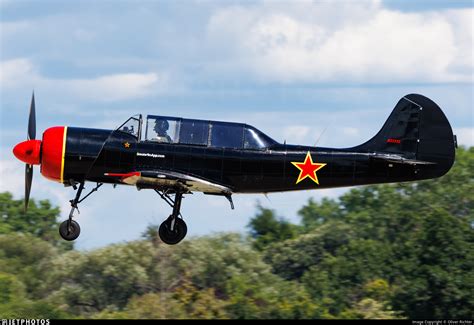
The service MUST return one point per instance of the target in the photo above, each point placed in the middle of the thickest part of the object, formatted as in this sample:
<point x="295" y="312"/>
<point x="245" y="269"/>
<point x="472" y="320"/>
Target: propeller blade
<point x="32" y="120"/>
<point x="28" y="181"/>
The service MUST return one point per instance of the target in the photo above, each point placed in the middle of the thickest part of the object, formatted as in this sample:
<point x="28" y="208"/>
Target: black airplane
<point x="177" y="156"/>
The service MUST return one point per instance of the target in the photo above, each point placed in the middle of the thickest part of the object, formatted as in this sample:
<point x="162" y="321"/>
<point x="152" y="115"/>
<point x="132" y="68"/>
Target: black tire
<point x="69" y="234"/>
<point x="172" y="237"/>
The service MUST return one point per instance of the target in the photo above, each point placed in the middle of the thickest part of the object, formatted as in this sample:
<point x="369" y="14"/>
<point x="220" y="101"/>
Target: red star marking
<point x="308" y="169"/>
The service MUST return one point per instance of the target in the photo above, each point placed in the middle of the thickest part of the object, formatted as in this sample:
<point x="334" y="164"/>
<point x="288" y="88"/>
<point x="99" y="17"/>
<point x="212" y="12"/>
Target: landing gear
<point x="173" y="229"/>
<point x="170" y="233"/>
<point x="70" y="229"/>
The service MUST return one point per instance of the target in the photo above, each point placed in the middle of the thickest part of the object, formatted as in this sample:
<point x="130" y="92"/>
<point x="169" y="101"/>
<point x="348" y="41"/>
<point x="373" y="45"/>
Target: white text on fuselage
<point x="152" y="155"/>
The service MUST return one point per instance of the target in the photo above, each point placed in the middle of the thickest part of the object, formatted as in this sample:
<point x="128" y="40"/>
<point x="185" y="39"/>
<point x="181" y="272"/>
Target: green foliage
<point x="105" y="278"/>
<point x="186" y="302"/>
<point x="10" y="288"/>
<point x="315" y="214"/>
<point x="31" y="310"/>
<point x="279" y="299"/>
<point x="266" y="228"/>
<point x="377" y="252"/>
<point x="151" y="234"/>
<point x="198" y="303"/>
<point x="291" y="258"/>
<point x="15" y="304"/>
<point x="27" y="258"/>
<point x="39" y="221"/>
<point x="378" y="289"/>
<point x="369" y="308"/>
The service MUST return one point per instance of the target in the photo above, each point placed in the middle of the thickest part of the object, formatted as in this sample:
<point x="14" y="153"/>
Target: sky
<point x="305" y="72"/>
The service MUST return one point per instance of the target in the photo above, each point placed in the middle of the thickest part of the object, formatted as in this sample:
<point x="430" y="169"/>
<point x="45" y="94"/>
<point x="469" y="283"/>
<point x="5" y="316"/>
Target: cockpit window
<point x="175" y="130"/>
<point x="194" y="132"/>
<point x="132" y="126"/>
<point x="227" y="135"/>
<point x="252" y="140"/>
<point x="162" y="129"/>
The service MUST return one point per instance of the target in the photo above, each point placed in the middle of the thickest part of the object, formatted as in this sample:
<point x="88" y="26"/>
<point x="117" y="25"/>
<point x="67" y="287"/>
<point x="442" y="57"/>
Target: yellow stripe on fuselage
<point x="63" y="153"/>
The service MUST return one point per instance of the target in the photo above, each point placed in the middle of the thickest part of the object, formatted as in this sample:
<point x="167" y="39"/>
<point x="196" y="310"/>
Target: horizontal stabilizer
<point x="401" y="160"/>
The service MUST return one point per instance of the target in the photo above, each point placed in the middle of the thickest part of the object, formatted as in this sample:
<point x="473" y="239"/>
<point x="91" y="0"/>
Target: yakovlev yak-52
<point x="176" y="156"/>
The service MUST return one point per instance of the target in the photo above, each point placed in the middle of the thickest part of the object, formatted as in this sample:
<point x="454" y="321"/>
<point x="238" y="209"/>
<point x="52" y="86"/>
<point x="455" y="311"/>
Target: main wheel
<point x="172" y="237"/>
<point x="71" y="233"/>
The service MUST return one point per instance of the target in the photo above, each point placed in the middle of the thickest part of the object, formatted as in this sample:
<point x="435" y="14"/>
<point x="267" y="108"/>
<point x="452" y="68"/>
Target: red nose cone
<point x="28" y="151"/>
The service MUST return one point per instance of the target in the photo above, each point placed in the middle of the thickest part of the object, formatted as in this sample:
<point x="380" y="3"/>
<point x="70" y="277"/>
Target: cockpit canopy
<point x="205" y="133"/>
<point x="163" y="129"/>
<point x="132" y="126"/>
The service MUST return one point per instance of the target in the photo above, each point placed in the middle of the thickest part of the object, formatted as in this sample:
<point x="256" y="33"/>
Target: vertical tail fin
<point x="416" y="129"/>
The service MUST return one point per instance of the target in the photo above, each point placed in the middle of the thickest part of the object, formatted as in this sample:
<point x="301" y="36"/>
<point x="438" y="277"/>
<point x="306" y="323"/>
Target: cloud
<point x="296" y="133"/>
<point x="465" y="136"/>
<point x="11" y="177"/>
<point x="350" y="131"/>
<point x="20" y="73"/>
<point x="371" y="46"/>
<point x="116" y="87"/>
<point x="461" y="22"/>
<point x="17" y="73"/>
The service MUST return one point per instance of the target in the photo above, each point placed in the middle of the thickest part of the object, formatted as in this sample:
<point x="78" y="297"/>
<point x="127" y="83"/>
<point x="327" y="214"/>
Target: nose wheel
<point x="69" y="230"/>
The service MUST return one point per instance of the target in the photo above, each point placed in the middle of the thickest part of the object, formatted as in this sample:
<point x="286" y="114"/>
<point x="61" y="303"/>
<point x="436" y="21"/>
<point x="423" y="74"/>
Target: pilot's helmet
<point x="161" y="125"/>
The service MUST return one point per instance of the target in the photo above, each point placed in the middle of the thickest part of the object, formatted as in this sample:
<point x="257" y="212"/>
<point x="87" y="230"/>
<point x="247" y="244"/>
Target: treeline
<point x="386" y="251"/>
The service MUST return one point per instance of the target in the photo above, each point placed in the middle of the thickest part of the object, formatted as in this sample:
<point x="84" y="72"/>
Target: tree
<point x="266" y="228"/>
<point x="11" y="288"/>
<point x="40" y="220"/>
<point x="270" y="300"/>
<point x="314" y="214"/>
<point x="15" y="304"/>
<point x="31" y="310"/>
<point x="27" y="258"/>
<point x="184" y="302"/>
<point x="151" y="234"/>
<point x="104" y="278"/>
<point x="291" y="258"/>
<point x="368" y="308"/>
<point x="436" y="277"/>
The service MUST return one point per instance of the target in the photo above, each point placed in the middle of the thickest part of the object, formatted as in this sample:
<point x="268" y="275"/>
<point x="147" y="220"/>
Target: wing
<point x="163" y="179"/>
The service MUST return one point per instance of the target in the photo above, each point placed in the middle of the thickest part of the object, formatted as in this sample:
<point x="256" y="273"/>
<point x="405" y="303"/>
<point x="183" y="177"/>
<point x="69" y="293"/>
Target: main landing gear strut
<point x="70" y="229"/>
<point x="173" y="229"/>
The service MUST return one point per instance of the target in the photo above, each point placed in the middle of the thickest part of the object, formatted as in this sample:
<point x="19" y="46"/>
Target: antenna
<point x="266" y="195"/>
<point x="321" y="134"/>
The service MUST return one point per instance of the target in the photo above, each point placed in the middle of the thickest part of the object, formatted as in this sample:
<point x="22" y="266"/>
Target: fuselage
<point x="416" y="142"/>
<point x="93" y="154"/>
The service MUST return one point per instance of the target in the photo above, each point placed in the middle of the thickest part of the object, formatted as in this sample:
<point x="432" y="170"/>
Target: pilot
<point x="128" y="130"/>
<point x="161" y="126"/>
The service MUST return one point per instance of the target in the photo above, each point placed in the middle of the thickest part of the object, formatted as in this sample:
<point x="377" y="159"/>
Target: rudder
<point x="417" y="129"/>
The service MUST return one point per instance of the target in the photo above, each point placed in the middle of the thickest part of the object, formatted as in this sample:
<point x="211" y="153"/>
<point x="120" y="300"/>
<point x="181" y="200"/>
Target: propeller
<point x="28" y="181"/>
<point x="31" y="136"/>
<point x="47" y="152"/>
